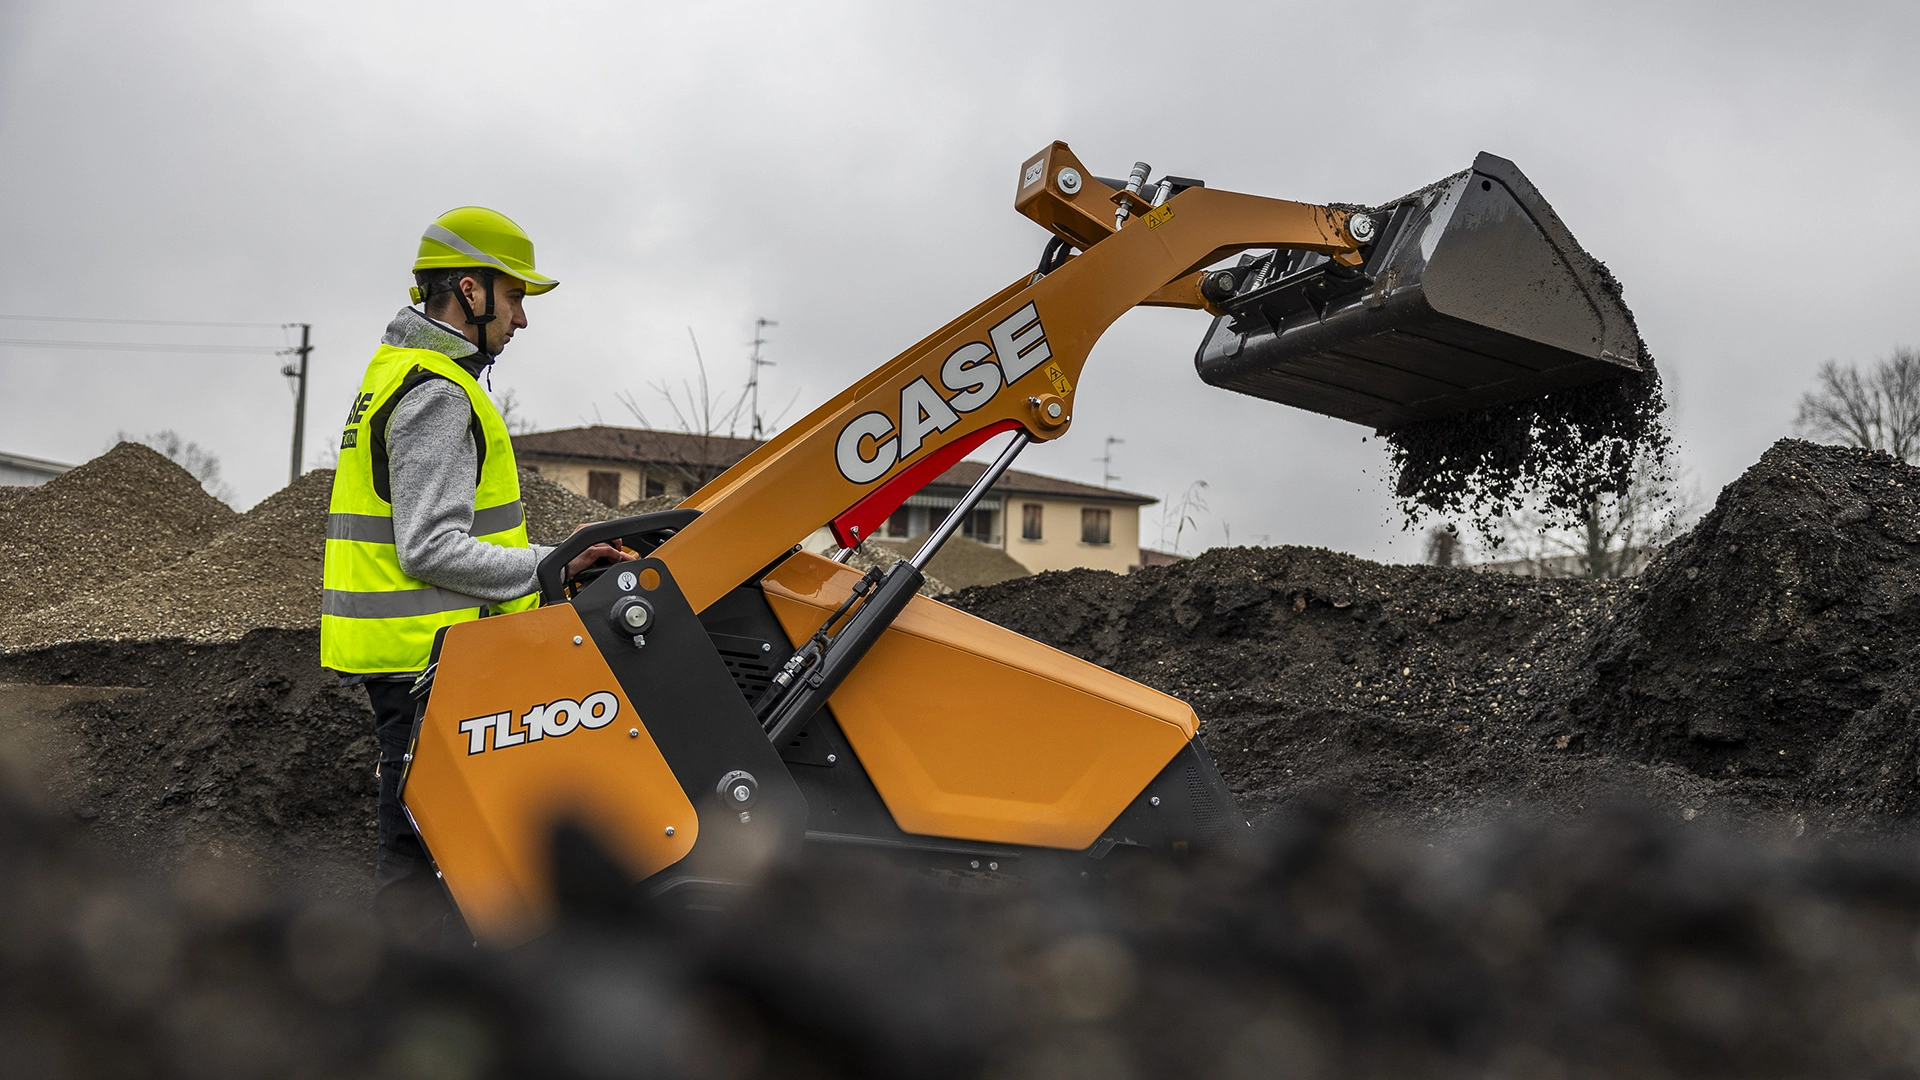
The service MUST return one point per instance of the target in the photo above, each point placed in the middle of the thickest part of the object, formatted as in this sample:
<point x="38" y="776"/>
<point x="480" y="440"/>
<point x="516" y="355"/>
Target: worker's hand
<point x="594" y="554"/>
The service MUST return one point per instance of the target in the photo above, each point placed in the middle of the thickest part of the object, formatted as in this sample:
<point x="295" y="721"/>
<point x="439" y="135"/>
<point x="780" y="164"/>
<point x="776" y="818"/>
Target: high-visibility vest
<point x="373" y="616"/>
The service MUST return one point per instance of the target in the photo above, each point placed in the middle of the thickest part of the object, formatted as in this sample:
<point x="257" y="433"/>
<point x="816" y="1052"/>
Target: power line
<point x="141" y="346"/>
<point x="147" y="322"/>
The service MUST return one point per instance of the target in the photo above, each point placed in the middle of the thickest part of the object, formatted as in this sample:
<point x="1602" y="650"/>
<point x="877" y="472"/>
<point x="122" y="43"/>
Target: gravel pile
<point x="651" y="505"/>
<point x="553" y="512"/>
<point x="263" y="570"/>
<point x="961" y="562"/>
<point x="131" y="499"/>
<point x="215" y="577"/>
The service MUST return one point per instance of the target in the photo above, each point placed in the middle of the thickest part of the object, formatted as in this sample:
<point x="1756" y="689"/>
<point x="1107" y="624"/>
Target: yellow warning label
<point x="1059" y="380"/>
<point x="1157" y="218"/>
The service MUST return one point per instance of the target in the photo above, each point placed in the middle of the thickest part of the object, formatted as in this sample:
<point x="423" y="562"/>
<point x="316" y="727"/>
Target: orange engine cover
<point x="526" y="729"/>
<point x="974" y="732"/>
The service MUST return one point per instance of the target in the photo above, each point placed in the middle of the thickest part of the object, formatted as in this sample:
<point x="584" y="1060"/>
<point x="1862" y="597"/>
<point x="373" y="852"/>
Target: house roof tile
<point x="604" y="442"/>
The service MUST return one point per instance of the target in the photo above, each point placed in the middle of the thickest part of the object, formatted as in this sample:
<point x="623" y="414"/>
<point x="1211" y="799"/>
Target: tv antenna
<point x="753" y="372"/>
<point x="1106" y="462"/>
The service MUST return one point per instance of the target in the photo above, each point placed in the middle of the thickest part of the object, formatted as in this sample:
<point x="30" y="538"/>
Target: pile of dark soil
<point x="248" y="750"/>
<point x="1765" y="669"/>
<point x="60" y="535"/>
<point x="1776" y="647"/>
<point x="1628" y="947"/>
<point x="1763" y="673"/>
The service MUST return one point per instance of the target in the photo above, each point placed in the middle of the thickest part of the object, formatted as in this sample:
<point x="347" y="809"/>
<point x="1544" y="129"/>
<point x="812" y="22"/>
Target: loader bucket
<point x="1473" y="294"/>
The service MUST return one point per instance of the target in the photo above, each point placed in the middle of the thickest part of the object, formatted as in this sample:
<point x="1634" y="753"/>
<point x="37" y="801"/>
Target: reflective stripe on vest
<point x="395" y="605"/>
<point x="378" y="529"/>
<point x="374" y="617"/>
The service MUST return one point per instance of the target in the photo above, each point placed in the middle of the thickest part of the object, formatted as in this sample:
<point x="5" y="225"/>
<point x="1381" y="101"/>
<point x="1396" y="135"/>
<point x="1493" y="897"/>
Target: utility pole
<point x="299" y="374"/>
<point x="1106" y="462"/>
<point x="753" y="373"/>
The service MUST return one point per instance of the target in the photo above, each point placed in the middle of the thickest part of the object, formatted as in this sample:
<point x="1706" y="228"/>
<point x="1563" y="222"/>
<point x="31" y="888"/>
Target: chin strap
<point x="481" y="320"/>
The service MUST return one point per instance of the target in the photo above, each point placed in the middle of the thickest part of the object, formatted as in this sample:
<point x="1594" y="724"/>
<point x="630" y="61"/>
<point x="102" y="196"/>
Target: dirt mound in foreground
<point x="1763" y="669"/>
<point x="1629" y="947"/>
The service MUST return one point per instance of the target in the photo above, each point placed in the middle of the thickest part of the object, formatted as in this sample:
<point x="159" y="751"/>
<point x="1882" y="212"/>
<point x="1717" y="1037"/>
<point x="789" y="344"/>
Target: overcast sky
<point x="848" y="170"/>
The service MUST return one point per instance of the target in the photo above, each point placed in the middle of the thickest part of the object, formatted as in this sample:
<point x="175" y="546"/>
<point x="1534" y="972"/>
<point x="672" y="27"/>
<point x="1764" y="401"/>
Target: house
<point x="1043" y="522"/>
<point x="19" y="470"/>
<point x="616" y="465"/>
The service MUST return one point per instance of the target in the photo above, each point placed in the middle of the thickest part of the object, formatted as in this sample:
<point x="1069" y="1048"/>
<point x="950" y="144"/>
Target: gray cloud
<point x="848" y="170"/>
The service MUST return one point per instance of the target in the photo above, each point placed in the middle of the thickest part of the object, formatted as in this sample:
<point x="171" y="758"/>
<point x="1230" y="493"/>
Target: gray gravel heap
<point x="124" y="512"/>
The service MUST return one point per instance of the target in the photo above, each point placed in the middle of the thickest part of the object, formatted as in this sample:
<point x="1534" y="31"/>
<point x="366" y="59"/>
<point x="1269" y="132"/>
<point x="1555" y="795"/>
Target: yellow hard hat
<point x="477" y="236"/>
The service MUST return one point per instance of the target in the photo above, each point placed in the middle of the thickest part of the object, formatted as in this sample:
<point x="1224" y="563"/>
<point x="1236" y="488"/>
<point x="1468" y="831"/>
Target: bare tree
<point x="699" y="413"/>
<point x="1614" y="536"/>
<point x="190" y="456"/>
<point x="511" y="412"/>
<point x="1875" y="410"/>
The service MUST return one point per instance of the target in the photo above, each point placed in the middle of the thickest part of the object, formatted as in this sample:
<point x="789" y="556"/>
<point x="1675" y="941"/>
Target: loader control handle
<point x="650" y="530"/>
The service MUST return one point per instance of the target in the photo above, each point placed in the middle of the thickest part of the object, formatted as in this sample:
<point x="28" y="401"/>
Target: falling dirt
<point x="1562" y="451"/>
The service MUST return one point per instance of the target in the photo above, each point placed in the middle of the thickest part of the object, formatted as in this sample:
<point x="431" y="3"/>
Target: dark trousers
<point x="407" y="897"/>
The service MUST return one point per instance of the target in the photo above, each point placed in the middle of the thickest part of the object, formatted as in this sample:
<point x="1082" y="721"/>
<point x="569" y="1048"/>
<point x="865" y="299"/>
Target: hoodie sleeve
<point x="434" y="470"/>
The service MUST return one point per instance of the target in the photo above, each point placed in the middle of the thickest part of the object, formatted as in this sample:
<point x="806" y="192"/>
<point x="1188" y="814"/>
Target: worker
<point x="426" y="528"/>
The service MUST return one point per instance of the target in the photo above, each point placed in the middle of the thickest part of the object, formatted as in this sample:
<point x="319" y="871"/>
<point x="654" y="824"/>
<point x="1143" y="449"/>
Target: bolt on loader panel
<point x="1472" y="294"/>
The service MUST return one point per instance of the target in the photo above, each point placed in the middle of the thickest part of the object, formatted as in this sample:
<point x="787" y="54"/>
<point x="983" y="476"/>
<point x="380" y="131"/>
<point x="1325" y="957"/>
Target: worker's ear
<point x="476" y="292"/>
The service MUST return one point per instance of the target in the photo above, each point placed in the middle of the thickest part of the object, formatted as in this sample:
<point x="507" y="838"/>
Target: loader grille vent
<point x="750" y="665"/>
<point x="1208" y="821"/>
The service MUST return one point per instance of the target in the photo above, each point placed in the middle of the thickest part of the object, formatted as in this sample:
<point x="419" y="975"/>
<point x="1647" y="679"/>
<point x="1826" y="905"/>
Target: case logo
<point x="873" y="443"/>
<point x="549" y="721"/>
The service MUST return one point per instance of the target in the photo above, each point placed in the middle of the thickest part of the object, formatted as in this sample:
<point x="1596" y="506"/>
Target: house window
<point x="1030" y="515"/>
<point x="655" y="487"/>
<point x="979" y="526"/>
<point x="1096" y="525"/>
<point x="897" y="524"/>
<point x="604" y="487"/>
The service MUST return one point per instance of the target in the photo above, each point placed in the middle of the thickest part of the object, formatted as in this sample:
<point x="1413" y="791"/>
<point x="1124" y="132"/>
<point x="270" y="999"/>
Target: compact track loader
<point x="729" y="699"/>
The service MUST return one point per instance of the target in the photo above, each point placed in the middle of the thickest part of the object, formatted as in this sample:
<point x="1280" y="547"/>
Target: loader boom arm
<point x="1012" y="361"/>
